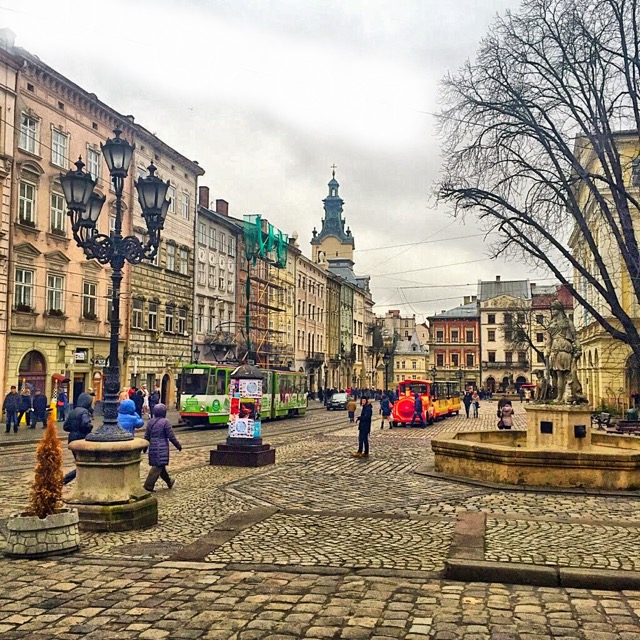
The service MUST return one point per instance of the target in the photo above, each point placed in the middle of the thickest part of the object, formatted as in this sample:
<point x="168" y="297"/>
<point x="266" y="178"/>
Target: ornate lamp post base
<point x="242" y="452"/>
<point x="108" y="493"/>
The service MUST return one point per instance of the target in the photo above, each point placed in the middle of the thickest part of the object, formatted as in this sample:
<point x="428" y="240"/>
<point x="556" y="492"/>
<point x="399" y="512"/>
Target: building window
<point x="202" y="273"/>
<point x="540" y="357"/>
<point x="491" y="318"/>
<point x="57" y="214"/>
<point x="508" y="318"/>
<point x="182" y="322"/>
<point x="508" y="335"/>
<point x="491" y="356"/>
<point x="469" y="336"/>
<point x="539" y="337"/>
<point x="212" y="277"/>
<point x="540" y="319"/>
<point x="27" y="204"/>
<point x="28" y="134"/>
<point x="136" y="313"/>
<point x="520" y="317"/>
<point x="89" y="300"/>
<point x="59" y="148"/>
<point x="186" y="205"/>
<point x="109" y="304"/>
<point x="24" y="289"/>
<point x="508" y="357"/>
<point x="455" y="359"/>
<point x="232" y="247"/>
<point x="202" y="233"/>
<point x="169" y="312"/>
<point x="221" y="243"/>
<point x="212" y="238"/>
<point x="491" y="335"/>
<point x="55" y="293"/>
<point x="635" y="172"/>
<point x="184" y="261"/>
<point x="171" y="194"/>
<point x="414" y="364"/>
<point x="221" y="282"/>
<point x="439" y="336"/>
<point x="469" y="360"/>
<point x="171" y="257"/>
<point x="522" y="357"/>
<point x="439" y="360"/>
<point x="199" y="318"/>
<point x="454" y="336"/>
<point x="94" y="164"/>
<point x="152" y="318"/>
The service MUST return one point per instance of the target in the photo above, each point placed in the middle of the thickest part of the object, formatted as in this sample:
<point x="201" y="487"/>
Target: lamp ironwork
<point x="84" y="206"/>
<point x="196" y="355"/>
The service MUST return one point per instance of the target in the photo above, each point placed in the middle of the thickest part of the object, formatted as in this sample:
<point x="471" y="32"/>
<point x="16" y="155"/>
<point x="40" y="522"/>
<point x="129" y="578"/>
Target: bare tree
<point x="537" y="132"/>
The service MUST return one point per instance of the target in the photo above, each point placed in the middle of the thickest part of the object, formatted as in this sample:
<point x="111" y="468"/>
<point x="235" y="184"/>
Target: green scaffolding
<point x="263" y="240"/>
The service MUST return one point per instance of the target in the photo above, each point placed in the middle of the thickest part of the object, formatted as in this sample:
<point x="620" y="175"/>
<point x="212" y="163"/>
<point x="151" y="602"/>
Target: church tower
<point x="332" y="241"/>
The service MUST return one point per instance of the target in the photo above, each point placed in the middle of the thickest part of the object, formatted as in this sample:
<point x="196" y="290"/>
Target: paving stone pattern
<point x="325" y="540"/>
<point x="569" y="544"/>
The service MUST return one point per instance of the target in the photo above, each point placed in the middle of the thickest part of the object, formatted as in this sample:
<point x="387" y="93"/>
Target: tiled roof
<point x="463" y="311"/>
<point x="488" y="289"/>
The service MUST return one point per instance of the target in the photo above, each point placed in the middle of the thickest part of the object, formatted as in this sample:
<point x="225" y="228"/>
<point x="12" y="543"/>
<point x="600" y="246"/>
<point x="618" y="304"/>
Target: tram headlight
<point x="201" y="408"/>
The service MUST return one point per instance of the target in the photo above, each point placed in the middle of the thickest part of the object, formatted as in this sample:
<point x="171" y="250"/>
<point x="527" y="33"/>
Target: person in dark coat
<point x="62" y="405"/>
<point x="467" y="400"/>
<point x="385" y="411"/>
<point x="25" y="406"/>
<point x="11" y="406"/>
<point x="159" y="433"/>
<point x="138" y="401"/>
<point x="417" y="410"/>
<point x="154" y="399"/>
<point x="78" y="425"/>
<point x="40" y="407"/>
<point x="364" y="428"/>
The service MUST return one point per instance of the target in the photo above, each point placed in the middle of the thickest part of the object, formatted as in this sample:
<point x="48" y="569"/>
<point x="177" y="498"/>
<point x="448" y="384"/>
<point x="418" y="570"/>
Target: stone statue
<point x="542" y="387"/>
<point x="562" y="352"/>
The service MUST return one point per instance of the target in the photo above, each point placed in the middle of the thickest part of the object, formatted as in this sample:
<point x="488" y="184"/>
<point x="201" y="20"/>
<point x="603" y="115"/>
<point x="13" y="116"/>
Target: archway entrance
<point x="520" y="380"/>
<point x="164" y="389"/>
<point x="33" y="371"/>
<point x="491" y="384"/>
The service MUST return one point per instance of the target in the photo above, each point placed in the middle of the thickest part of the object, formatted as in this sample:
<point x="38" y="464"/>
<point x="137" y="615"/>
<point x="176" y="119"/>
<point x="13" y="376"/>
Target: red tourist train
<point x="439" y="399"/>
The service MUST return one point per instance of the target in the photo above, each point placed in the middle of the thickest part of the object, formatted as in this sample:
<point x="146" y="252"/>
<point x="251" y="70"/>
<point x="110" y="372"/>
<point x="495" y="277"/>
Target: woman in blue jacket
<point x="128" y="419"/>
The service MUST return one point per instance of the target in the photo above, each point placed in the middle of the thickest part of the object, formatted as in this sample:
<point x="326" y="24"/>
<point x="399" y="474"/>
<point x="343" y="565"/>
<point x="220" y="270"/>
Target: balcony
<point x="522" y="365"/>
<point x="315" y="359"/>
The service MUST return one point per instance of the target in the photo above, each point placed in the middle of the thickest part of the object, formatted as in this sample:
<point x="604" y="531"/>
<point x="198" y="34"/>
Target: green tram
<point x="205" y="400"/>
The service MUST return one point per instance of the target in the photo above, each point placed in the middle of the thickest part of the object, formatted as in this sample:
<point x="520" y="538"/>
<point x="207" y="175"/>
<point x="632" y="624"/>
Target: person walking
<point x="78" y="425"/>
<point x="25" y="406"/>
<point x="138" y="400"/>
<point x="154" y="398"/>
<point x="11" y="406"/>
<point x="475" y="403"/>
<point x="466" y="400"/>
<point x="351" y="408"/>
<point x="159" y="433"/>
<point x="128" y="419"/>
<point x="417" y="410"/>
<point x="40" y="406"/>
<point x="145" y="400"/>
<point x="364" y="428"/>
<point x="62" y="405"/>
<point x="385" y="411"/>
<point x="506" y="416"/>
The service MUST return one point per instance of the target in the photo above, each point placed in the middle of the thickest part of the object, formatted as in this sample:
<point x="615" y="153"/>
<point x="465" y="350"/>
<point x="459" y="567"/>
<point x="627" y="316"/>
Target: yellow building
<point x="410" y="360"/>
<point x="607" y="369"/>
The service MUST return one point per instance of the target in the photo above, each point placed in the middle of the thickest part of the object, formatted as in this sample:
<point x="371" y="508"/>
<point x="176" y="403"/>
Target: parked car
<point x="338" y="401"/>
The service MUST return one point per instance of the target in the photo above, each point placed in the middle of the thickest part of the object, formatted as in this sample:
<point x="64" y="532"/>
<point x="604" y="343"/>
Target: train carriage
<point x="439" y="399"/>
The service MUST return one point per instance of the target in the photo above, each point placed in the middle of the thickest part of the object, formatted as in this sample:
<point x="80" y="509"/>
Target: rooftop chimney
<point x="533" y="286"/>
<point x="497" y="278"/>
<point x="222" y="207"/>
<point x="203" y="197"/>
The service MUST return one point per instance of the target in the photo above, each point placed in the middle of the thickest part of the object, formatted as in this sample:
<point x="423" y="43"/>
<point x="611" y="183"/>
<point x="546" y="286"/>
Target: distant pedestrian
<point x="385" y="411"/>
<point x="138" y="400"/>
<point x="417" y="410"/>
<point x="128" y="419"/>
<point x="40" y="406"/>
<point x="11" y="406"/>
<point x="78" y="425"/>
<point x="466" y="400"/>
<point x="475" y="403"/>
<point x="364" y="428"/>
<point x="351" y="408"/>
<point x="154" y="398"/>
<point x="25" y="406"/>
<point x="62" y="405"/>
<point x="159" y="433"/>
<point x="145" y="400"/>
<point x="505" y="415"/>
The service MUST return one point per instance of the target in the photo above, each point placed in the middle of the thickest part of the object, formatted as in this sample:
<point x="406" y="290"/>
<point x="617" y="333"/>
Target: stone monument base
<point x="242" y="452"/>
<point x="108" y="493"/>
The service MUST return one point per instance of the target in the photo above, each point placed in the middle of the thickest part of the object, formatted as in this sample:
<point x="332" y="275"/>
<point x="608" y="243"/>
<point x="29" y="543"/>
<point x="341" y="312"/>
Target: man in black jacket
<point x="364" y="428"/>
<point x="78" y="425"/>
<point x="39" y="413"/>
<point x="11" y="406"/>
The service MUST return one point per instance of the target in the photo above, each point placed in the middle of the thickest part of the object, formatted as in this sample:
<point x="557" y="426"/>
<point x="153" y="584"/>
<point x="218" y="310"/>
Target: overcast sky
<point x="268" y="94"/>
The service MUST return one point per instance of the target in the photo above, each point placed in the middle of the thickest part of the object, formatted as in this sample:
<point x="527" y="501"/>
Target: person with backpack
<point x="78" y="425"/>
<point x="159" y="433"/>
<point x="364" y="429"/>
<point x="385" y="411"/>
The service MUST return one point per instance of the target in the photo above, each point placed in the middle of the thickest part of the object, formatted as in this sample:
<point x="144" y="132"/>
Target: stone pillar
<point x="555" y="426"/>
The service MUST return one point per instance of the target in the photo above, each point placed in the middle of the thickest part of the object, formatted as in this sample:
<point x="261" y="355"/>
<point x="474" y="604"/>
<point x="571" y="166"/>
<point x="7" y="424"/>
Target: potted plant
<point x="89" y="315"/>
<point x="23" y="308"/>
<point x="47" y="528"/>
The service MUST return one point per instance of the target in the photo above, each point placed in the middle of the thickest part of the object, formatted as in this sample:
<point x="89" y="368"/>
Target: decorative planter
<point x="33" y="537"/>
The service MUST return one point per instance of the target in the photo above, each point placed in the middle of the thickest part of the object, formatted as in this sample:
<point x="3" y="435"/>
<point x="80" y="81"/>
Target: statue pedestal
<point x="242" y="452"/>
<point x="108" y="493"/>
<point x="557" y="426"/>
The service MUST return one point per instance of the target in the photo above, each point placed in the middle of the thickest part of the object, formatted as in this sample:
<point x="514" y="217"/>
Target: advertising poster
<point x="244" y="411"/>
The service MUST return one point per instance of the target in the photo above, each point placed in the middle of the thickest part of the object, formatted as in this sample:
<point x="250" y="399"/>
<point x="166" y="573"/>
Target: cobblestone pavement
<point x="352" y="546"/>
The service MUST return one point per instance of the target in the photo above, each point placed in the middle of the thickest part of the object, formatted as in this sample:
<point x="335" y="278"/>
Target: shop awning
<point x="58" y="377"/>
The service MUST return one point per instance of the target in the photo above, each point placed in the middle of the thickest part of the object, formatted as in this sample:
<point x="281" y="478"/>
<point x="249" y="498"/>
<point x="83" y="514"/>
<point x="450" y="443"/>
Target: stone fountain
<point x="558" y="449"/>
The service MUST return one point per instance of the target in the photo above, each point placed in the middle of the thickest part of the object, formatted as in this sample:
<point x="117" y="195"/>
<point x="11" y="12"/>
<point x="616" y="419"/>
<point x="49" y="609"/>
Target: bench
<point x="603" y="420"/>
<point x="627" y="426"/>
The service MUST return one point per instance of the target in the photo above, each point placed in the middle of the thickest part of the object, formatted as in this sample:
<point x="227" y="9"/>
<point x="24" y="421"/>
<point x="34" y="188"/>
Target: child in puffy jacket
<point x="128" y="419"/>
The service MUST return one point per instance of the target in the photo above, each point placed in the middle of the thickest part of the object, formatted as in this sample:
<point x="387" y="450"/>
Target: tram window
<point x="195" y="383"/>
<point x="221" y="382"/>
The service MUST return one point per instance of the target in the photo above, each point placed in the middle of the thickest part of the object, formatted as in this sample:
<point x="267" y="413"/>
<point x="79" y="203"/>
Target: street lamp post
<point x="84" y="206"/>
<point x="386" y="359"/>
